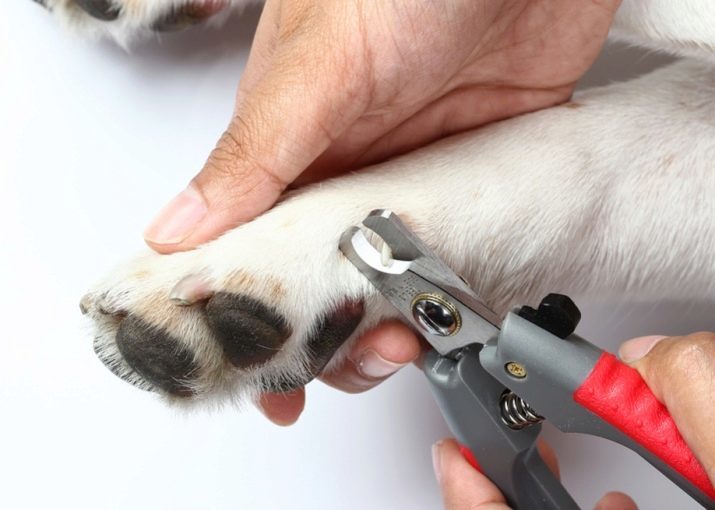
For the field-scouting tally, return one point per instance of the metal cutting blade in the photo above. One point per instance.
(430, 296)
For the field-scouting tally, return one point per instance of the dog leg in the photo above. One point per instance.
(611, 193)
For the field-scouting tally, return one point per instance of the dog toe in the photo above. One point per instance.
(156, 356)
(249, 332)
(332, 331)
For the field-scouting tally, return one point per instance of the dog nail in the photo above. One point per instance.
(85, 303)
(190, 289)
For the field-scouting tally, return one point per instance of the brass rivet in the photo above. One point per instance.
(516, 369)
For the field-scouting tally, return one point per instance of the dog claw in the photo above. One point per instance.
(85, 303)
(190, 289)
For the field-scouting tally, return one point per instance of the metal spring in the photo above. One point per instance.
(515, 413)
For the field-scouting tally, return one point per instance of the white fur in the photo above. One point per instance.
(610, 194)
(683, 27)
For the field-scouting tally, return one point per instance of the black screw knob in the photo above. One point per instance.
(557, 314)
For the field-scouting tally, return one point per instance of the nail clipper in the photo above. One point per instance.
(496, 380)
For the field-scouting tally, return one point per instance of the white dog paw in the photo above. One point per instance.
(264, 308)
(124, 20)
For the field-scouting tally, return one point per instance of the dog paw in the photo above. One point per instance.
(124, 20)
(263, 308)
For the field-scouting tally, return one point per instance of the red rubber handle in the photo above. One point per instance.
(617, 394)
(469, 457)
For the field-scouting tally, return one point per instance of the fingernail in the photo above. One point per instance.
(178, 219)
(374, 366)
(437, 461)
(636, 348)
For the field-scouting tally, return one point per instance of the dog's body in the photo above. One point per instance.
(609, 193)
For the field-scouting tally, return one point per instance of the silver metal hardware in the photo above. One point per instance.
(436, 315)
(516, 413)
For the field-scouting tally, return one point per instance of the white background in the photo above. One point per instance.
(92, 142)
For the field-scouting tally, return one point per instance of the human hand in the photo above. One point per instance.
(333, 86)
(465, 488)
(678, 370)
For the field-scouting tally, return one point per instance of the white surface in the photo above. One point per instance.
(92, 142)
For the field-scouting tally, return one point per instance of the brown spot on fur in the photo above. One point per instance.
(407, 220)
(142, 275)
(241, 281)
(238, 280)
(572, 105)
(156, 309)
(276, 290)
(668, 161)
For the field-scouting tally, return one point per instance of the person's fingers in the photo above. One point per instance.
(615, 501)
(312, 89)
(465, 488)
(282, 408)
(549, 457)
(462, 486)
(680, 371)
(376, 355)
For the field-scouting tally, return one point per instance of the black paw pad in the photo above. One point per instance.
(104, 10)
(330, 333)
(156, 356)
(250, 332)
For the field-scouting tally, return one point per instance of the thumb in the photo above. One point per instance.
(282, 122)
(680, 371)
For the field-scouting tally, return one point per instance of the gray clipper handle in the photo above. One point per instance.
(553, 369)
(469, 398)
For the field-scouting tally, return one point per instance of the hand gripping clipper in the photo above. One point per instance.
(496, 380)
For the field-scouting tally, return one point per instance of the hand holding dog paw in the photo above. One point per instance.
(333, 86)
